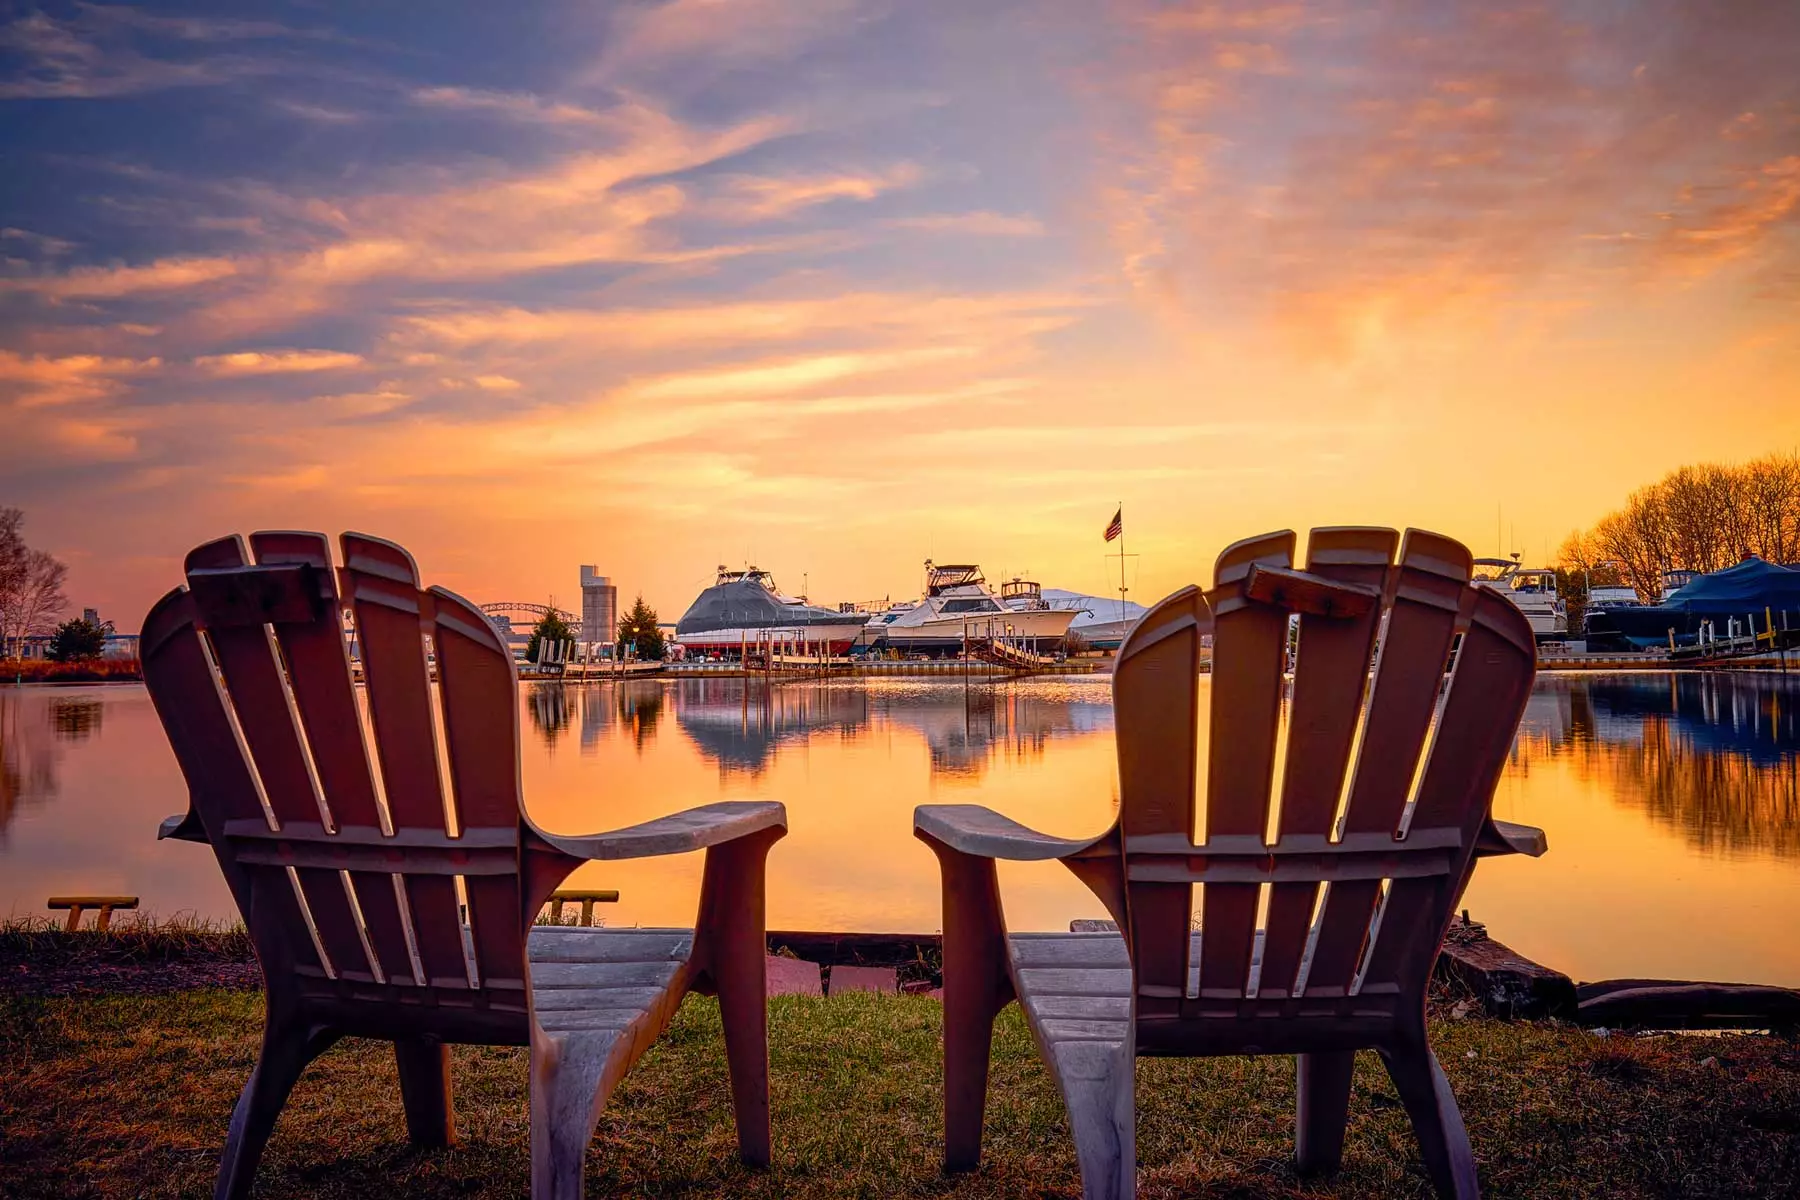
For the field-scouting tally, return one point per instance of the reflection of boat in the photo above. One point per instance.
(1752, 593)
(1532, 591)
(963, 727)
(741, 727)
(959, 606)
(743, 606)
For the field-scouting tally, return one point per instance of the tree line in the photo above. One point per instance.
(31, 582)
(1698, 518)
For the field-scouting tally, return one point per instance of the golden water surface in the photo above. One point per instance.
(1672, 804)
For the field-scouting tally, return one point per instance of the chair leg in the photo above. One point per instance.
(568, 1091)
(734, 945)
(1323, 1107)
(1443, 1142)
(976, 988)
(287, 1048)
(1098, 1082)
(425, 1090)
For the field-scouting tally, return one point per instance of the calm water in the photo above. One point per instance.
(1672, 804)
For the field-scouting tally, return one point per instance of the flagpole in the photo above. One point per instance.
(1121, 569)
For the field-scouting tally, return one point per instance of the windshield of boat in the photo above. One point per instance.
(972, 604)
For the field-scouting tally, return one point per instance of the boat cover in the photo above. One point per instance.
(1749, 587)
(747, 604)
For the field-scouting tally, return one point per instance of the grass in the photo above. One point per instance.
(97, 670)
(129, 1095)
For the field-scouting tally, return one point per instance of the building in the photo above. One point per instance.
(599, 607)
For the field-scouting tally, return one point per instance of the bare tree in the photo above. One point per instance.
(31, 583)
(1700, 518)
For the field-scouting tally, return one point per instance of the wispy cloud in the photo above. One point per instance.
(276, 362)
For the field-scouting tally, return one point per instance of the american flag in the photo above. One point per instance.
(1118, 524)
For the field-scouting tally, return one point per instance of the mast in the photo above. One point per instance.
(1121, 569)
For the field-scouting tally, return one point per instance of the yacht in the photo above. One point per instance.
(1532, 591)
(744, 606)
(959, 606)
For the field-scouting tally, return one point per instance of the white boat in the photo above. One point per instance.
(743, 608)
(958, 608)
(1101, 621)
(1532, 591)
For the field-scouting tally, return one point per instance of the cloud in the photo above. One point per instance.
(518, 106)
(111, 282)
(706, 36)
(974, 224)
(790, 375)
(99, 52)
(276, 362)
(38, 380)
(762, 198)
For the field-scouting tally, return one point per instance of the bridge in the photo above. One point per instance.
(510, 608)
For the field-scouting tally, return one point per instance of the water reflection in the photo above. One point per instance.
(1670, 802)
(742, 724)
(595, 709)
(967, 728)
(1713, 756)
(27, 756)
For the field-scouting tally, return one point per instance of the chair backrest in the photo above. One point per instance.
(1378, 793)
(354, 825)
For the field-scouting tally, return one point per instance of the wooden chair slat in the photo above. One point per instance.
(1330, 681)
(339, 931)
(382, 585)
(381, 918)
(478, 684)
(185, 692)
(437, 928)
(1156, 698)
(1488, 692)
(254, 684)
(1428, 586)
(1249, 648)
(495, 926)
(271, 895)
(319, 673)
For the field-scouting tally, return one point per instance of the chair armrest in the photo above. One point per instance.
(695, 829)
(184, 827)
(980, 831)
(1504, 837)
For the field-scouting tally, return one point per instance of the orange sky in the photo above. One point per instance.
(834, 287)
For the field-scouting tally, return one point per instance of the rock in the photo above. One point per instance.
(863, 979)
(792, 976)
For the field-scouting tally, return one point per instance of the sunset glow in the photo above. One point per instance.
(832, 288)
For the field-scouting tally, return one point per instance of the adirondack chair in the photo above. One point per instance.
(353, 843)
(1356, 907)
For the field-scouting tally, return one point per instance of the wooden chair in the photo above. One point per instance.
(1356, 906)
(355, 828)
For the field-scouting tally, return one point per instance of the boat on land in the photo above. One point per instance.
(743, 608)
(1101, 621)
(1532, 591)
(959, 607)
(1753, 597)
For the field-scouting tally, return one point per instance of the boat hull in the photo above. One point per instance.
(837, 637)
(1037, 630)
